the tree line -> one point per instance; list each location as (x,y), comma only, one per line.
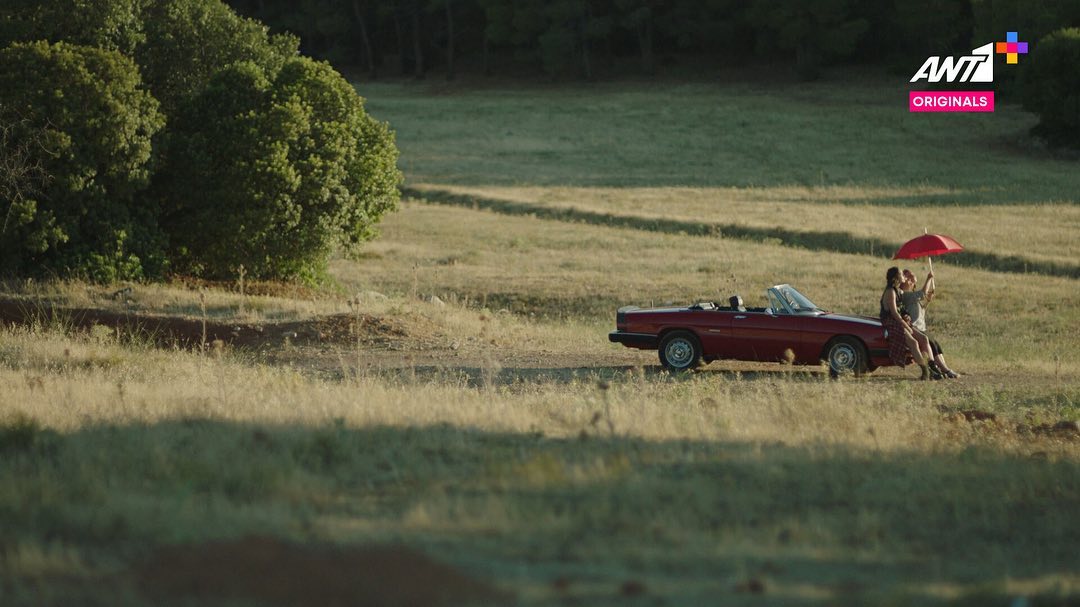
(593,38)
(143,137)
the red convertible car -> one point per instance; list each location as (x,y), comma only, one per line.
(790,329)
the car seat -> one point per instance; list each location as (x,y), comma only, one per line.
(736,303)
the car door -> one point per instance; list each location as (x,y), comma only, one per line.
(763,336)
(714,329)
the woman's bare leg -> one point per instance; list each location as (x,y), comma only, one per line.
(916,353)
(924,344)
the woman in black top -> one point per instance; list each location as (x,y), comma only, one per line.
(901,337)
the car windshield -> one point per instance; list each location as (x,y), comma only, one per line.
(796,302)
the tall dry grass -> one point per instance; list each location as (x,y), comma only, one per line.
(571,272)
(692,486)
(177,299)
(1038,232)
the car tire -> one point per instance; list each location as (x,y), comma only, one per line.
(846,355)
(680,351)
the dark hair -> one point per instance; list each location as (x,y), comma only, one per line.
(891,276)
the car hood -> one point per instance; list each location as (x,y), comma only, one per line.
(865,320)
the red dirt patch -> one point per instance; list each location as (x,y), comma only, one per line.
(280,573)
(1063,429)
(267,288)
(972,415)
(191,332)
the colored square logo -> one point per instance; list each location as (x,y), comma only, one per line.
(1012,48)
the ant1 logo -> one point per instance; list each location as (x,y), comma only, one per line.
(976,67)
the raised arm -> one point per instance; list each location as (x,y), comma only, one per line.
(929,286)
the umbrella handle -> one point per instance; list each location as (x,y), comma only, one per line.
(929,259)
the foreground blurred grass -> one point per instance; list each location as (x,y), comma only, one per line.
(690,486)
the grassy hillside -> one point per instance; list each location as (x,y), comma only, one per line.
(994,322)
(721,135)
(371,444)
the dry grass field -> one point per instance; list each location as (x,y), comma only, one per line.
(448,424)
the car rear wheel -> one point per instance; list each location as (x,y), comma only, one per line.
(846,356)
(680,351)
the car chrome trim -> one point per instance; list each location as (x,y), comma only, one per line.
(646,340)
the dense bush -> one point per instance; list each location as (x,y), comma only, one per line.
(267,160)
(91,123)
(274,171)
(188,41)
(109,24)
(1031,20)
(178,44)
(1051,86)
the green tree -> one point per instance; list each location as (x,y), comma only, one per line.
(1051,84)
(1031,20)
(23,176)
(275,171)
(639,17)
(110,24)
(917,29)
(815,30)
(92,125)
(711,26)
(188,41)
(178,44)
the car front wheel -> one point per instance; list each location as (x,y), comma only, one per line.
(680,351)
(846,356)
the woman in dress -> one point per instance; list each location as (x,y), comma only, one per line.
(900,334)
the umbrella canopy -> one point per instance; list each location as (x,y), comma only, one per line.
(928,245)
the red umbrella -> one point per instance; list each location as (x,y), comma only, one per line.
(928,245)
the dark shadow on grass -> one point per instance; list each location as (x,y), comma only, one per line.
(966,198)
(922,202)
(832,241)
(687,521)
(477,377)
(187,332)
